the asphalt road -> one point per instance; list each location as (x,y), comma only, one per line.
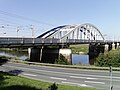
(77,77)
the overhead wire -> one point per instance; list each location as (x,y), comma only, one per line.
(24,18)
(13,25)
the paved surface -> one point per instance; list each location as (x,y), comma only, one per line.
(77,77)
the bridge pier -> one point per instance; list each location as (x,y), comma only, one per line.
(94,50)
(113,46)
(34,54)
(117,45)
(67,54)
(49,55)
(106,47)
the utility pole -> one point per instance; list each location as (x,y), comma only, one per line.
(18,28)
(32,29)
(111,86)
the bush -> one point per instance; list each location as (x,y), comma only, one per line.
(61,60)
(109,58)
(54,86)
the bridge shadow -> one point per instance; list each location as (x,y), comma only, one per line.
(3,60)
(3,83)
(19,87)
(5,79)
(15,72)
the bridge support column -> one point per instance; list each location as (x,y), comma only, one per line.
(117,45)
(94,51)
(66,54)
(113,46)
(106,48)
(34,54)
(49,55)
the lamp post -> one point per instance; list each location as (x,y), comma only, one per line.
(32,29)
(111,86)
(18,28)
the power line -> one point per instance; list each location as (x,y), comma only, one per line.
(24,18)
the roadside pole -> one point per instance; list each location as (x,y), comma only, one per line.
(111,85)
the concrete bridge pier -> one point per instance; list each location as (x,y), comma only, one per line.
(106,47)
(118,44)
(49,55)
(93,52)
(95,49)
(67,54)
(113,46)
(34,54)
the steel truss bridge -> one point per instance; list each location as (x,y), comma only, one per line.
(66,34)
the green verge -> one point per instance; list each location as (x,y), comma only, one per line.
(80,48)
(12,82)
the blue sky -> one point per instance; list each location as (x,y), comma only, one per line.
(104,14)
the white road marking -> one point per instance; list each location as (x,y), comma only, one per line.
(82,77)
(62,72)
(58,78)
(29,74)
(95,82)
(72,83)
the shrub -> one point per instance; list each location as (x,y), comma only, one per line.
(109,58)
(61,60)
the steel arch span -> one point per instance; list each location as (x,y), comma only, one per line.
(75,32)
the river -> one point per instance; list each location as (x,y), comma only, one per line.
(76,58)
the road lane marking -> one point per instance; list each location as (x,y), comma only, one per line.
(58,78)
(62,72)
(29,74)
(78,84)
(82,77)
(95,82)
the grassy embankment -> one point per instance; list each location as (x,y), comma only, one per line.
(12,82)
(80,49)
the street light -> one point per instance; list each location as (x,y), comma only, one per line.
(32,28)
(111,86)
(18,28)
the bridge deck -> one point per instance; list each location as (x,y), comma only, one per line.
(30,42)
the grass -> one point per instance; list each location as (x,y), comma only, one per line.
(82,48)
(12,82)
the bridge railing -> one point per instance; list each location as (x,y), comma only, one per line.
(28,41)
(72,41)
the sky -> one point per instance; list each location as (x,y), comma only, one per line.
(19,16)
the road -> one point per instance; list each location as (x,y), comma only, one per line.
(76,77)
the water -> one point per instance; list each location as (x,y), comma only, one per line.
(16,54)
(80,59)
(76,58)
